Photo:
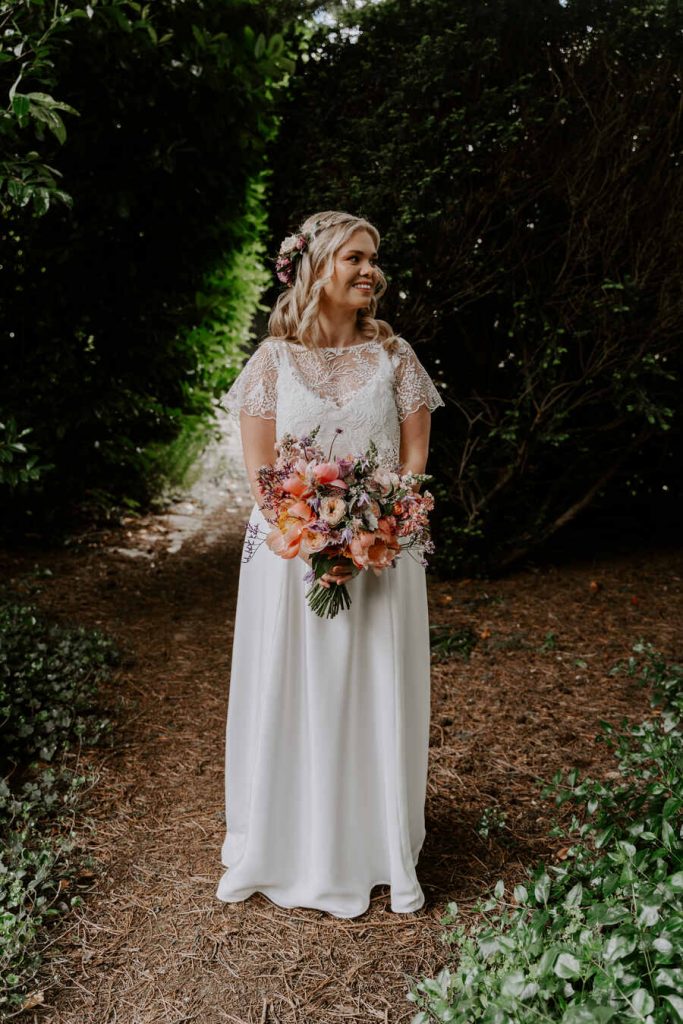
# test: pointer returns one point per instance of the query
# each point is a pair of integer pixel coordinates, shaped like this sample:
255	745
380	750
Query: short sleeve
255	387
413	386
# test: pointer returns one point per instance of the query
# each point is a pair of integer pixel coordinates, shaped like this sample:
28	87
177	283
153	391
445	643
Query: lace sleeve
413	386
255	387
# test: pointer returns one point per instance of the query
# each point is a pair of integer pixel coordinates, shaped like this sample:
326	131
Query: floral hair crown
290	253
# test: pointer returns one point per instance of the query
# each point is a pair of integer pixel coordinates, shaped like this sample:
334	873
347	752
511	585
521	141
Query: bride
328	719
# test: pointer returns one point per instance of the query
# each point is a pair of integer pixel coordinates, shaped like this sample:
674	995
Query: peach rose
332	510
312	541
387	525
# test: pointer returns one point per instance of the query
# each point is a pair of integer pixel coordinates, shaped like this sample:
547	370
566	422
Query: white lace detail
255	387
412	384
361	389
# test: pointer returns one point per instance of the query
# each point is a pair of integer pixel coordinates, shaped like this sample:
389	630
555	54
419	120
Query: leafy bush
598	937
122	307
49	676
521	161
49	679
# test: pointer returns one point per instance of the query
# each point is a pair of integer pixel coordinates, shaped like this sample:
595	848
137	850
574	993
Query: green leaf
542	888
642	1002
567	966
618	946
574	896
21	105
648	912
513	984
588	1013
520	893
677	1003
44	99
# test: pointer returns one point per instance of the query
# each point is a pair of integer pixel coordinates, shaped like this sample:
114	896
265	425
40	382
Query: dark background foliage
522	161
104	356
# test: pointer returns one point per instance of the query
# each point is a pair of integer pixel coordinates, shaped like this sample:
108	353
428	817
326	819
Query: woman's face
354	265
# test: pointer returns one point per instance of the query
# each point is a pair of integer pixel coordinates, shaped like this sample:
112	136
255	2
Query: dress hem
325	910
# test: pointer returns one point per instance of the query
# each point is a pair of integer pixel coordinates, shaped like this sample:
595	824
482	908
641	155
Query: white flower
385	479
291	242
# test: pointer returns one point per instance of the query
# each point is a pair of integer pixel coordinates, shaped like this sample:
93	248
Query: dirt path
152	944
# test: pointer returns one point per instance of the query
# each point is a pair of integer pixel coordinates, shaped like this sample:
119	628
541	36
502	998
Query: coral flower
359	548
328	473
296	486
286	544
300	510
380	556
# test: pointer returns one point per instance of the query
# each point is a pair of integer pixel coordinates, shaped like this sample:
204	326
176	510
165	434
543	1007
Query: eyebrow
349	252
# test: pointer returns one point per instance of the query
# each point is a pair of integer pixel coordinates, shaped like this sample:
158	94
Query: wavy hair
294	316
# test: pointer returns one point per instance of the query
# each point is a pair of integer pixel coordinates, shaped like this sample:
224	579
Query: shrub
49	680
598	937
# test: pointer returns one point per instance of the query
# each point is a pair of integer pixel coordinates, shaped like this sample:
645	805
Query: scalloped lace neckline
334	348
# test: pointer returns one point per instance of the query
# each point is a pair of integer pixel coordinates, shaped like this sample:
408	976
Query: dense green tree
122	302
522	161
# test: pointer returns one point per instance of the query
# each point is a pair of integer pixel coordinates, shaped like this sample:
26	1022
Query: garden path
151	944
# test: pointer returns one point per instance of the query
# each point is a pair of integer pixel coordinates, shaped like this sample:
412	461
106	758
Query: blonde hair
294	316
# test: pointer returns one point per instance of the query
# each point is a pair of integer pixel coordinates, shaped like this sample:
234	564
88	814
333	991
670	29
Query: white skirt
327	738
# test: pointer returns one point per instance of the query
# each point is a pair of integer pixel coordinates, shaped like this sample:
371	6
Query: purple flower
346	535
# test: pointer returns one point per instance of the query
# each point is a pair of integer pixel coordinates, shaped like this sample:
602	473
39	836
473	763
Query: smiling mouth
363	287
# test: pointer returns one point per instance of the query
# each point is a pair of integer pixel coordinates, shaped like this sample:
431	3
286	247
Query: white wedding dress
328	719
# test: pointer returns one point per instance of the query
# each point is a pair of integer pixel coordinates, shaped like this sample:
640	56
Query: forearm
258	443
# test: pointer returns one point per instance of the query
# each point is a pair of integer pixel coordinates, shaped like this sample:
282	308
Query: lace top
361	388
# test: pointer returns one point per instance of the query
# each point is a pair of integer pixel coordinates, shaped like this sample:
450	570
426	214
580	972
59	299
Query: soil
151	944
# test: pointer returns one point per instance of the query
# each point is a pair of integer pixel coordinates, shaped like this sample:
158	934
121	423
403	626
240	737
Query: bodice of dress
364	390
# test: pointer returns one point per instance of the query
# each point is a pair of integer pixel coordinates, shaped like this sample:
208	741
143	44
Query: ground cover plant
597	936
50	676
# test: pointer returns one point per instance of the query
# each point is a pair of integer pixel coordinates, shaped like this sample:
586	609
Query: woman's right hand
338	575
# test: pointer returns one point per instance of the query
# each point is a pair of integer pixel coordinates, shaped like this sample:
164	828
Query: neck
338	327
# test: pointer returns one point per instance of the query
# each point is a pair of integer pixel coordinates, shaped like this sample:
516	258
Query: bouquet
347	511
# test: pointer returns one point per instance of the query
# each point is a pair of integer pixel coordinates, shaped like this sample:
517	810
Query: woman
328	719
